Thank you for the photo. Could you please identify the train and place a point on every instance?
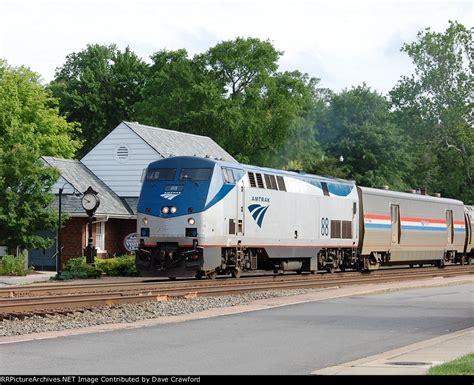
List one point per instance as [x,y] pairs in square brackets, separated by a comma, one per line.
[200,217]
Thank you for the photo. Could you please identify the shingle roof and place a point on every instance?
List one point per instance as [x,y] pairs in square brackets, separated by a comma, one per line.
[80,177]
[131,202]
[173,143]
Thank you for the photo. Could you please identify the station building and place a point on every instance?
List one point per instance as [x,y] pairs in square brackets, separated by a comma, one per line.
[114,169]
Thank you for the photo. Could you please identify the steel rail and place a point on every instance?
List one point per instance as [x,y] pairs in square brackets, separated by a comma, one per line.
[12,307]
[130,285]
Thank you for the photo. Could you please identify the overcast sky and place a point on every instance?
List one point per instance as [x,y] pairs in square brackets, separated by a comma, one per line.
[342,42]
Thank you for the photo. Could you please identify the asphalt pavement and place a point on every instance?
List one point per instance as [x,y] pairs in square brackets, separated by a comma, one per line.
[294,339]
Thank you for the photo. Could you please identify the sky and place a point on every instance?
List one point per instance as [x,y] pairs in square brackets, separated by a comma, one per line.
[344,43]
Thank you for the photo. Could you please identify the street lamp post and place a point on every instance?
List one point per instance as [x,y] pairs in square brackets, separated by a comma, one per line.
[58,241]
[59,246]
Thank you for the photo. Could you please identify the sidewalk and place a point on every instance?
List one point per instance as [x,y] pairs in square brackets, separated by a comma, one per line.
[38,276]
[413,359]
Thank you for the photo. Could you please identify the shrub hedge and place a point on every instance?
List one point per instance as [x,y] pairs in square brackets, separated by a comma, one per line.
[122,266]
[12,265]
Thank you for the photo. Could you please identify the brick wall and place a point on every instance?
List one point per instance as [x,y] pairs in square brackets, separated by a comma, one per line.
[115,232]
[73,237]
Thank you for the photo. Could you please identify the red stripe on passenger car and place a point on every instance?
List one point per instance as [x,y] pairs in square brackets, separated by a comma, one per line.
[411,219]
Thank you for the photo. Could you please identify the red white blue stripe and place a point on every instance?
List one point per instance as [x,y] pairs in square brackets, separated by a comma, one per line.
[375,221]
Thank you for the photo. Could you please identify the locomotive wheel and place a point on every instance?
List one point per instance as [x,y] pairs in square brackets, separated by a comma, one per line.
[199,274]
[236,273]
[330,269]
[211,275]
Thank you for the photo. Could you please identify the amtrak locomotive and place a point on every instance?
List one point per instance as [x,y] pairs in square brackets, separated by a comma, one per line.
[202,217]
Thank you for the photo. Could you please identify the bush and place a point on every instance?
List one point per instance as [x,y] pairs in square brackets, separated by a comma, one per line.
[122,266]
[79,268]
[11,265]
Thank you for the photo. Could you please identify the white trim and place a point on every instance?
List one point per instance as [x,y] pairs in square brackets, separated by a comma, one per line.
[100,236]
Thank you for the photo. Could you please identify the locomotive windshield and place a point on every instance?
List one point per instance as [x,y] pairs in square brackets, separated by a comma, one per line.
[195,174]
[155,174]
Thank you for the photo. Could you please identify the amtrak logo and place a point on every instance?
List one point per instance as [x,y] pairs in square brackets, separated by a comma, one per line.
[170,195]
[258,213]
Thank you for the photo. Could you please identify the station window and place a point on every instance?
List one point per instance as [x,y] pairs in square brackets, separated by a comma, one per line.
[100,236]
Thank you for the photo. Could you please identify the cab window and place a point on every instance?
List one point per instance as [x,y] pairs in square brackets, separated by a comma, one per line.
[155,174]
[228,175]
[195,174]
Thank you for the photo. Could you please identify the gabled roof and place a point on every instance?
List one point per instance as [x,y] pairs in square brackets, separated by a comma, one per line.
[80,177]
[175,143]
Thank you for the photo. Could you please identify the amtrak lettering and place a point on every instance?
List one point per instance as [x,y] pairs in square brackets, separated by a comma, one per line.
[260,199]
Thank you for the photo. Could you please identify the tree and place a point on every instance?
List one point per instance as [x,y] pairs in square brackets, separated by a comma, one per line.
[263,108]
[99,87]
[29,126]
[180,95]
[434,107]
[231,93]
[357,130]
[28,110]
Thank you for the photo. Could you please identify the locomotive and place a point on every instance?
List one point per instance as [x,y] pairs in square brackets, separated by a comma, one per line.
[202,217]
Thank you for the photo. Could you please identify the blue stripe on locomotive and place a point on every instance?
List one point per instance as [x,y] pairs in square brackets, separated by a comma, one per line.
[195,194]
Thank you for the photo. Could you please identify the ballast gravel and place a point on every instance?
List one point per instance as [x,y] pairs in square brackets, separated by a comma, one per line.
[133,312]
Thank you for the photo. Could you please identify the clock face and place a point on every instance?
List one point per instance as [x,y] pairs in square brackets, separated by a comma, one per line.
[89,201]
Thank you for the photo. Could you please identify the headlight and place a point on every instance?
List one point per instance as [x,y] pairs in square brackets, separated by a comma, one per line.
[165,209]
[145,220]
[172,210]
[191,221]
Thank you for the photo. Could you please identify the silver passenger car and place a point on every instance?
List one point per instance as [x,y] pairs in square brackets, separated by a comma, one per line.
[404,228]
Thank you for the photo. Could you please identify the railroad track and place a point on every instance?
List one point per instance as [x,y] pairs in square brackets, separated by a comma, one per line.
[20,302]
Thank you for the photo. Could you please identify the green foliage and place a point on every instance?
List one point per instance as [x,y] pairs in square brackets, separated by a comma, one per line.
[461,366]
[29,127]
[179,95]
[29,115]
[14,265]
[434,107]
[78,268]
[357,128]
[98,87]
[231,93]
[121,266]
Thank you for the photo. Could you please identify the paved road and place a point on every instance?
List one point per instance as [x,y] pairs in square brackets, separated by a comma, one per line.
[294,339]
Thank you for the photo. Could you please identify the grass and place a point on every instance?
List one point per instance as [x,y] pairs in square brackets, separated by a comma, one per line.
[462,366]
